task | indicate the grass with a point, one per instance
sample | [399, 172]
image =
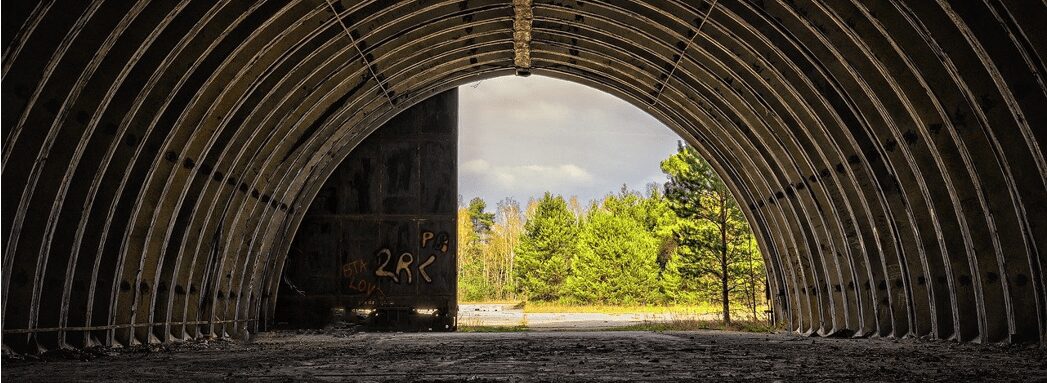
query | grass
[506, 301]
[698, 324]
[672, 325]
[557, 307]
[674, 309]
[478, 325]
[680, 317]
[483, 328]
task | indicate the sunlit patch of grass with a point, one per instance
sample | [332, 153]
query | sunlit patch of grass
[491, 302]
[677, 317]
[559, 307]
[478, 325]
[514, 328]
[697, 324]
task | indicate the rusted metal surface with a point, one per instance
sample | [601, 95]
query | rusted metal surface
[377, 247]
[158, 155]
[523, 17]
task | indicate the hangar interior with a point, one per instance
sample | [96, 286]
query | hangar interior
[159, 156]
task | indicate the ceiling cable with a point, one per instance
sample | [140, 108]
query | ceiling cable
[683, 53]
[361, 52]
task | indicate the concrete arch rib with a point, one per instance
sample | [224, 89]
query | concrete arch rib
[887, 153]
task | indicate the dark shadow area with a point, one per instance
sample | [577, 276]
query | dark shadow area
[376, 249]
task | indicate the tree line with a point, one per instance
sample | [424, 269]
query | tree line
[684, 242]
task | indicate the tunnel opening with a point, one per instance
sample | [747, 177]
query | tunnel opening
[565, 222]
[389, 243]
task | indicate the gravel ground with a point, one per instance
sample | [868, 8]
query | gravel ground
[540, 356]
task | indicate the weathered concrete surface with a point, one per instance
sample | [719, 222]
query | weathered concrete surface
[547, 356]
[159, 156]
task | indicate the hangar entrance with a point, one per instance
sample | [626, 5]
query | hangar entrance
[398, 240]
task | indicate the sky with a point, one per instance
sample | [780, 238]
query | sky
[521, 136]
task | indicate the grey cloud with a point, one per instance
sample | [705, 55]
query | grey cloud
[522, 136]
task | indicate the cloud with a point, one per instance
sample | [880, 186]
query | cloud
[475, 166]
[529, 177]
[520, 137]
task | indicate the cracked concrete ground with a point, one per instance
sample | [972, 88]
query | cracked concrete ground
[540, 356]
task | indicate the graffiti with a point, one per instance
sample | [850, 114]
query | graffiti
[426, 237]
[437, 243]
[443, 240]
[442, 243]
[382, 272]
[351, 271]
[365, 287]
[421, 268]
[402, 265]
[354, 267]
[400, 271]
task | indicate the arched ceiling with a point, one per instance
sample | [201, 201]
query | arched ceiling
[158, 155]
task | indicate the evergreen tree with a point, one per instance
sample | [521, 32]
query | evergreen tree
[617, 262]
[481, 220]
[690, 244]
[670, 282]
[545, 252]
[712, 229]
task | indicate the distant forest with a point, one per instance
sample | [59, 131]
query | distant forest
[684, 242]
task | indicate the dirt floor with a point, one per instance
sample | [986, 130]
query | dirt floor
[540, 356]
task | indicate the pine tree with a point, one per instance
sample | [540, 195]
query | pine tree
[711, 230]
[617, 262]
[546, 249]
[481, 220]
[670, 282]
